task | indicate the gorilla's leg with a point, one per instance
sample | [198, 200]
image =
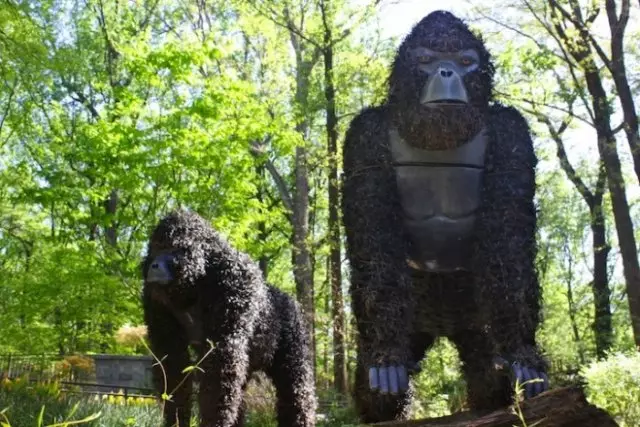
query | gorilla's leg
[506, 281]
[487, 387]
[295, 399]
[292, 368]
[169, 343]
[374, 405]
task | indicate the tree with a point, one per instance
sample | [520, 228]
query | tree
[580, 79]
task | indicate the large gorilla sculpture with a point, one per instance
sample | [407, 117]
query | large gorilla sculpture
[197, 287]
[440, 221]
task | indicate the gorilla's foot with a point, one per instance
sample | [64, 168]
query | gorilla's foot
[389, 379]
[534, 381]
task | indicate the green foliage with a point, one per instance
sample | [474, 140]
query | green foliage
[614, 385]
[440, 389]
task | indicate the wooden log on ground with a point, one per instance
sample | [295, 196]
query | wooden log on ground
[562, 407]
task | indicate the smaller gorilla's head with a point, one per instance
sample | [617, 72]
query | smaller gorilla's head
[177, 256]
[440, 84]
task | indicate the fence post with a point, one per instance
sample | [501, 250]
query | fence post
[9, 366]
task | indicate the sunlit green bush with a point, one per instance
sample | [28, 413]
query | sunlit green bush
[439, 388]
[614, 385]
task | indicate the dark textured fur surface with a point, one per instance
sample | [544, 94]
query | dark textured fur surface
[253, 326]
[492, 310]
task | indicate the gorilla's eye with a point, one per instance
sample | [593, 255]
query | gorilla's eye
[425, 58]
[467, 60]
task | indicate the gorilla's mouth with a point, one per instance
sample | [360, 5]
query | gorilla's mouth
[446, 101]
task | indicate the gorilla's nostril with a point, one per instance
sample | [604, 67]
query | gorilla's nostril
[155, 265]
[446, 73]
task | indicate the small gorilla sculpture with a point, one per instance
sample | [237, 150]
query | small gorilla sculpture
[440, 223]
[198, 288]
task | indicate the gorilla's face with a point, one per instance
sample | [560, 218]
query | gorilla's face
[441, 83]
[177, 257]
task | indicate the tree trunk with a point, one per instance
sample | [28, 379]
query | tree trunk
[580, 51]
[602, 326]
[337, 306]
[617, 26]
[563, 407]
[263, 262]
[571, 303]
[301, 253]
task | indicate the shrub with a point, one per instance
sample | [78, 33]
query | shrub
[614, 385]
[75, 367]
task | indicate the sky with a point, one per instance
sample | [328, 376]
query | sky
[399, 16]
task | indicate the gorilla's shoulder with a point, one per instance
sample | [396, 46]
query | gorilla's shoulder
[506, 115]
[370, 115]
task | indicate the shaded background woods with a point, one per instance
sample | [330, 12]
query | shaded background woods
[113, 113]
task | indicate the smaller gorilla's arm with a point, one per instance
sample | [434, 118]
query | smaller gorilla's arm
[169, 343]
[505, 256]
[376, 248]
[229, 316]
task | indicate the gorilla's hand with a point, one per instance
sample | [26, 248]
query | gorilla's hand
[534, 381]
[392, 379]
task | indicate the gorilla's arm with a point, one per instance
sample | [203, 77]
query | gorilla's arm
[376, 249]
[229, 314]
[169, 343]
[508, 286]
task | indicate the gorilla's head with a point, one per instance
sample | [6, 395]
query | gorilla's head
[177, 256]
[440, 84]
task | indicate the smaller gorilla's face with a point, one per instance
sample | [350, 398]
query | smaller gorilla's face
[166, 274]
[440, 84]
[161, 269]
[177, 258]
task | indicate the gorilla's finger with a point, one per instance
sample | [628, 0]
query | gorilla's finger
[528, 384]
[539, 384]
[403, 378]
[518, 373]
[393, 379]
[373, 378]
[384, 380]
[545, 384]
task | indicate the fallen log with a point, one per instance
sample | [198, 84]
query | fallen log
[562, 407]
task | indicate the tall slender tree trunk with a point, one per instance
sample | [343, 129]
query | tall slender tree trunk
[617, 26]
[579, 48]
[569, 276]
[302, 269]
[263, 262]
[337, 307]
[602, 327]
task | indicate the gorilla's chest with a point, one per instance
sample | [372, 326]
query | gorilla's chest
[440, 194]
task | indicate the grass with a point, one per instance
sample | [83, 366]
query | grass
[43, 405]
[24, 404]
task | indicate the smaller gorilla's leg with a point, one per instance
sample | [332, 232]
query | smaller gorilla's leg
[295, 403]
[169, 344]
[292, 369]
[487, 387]
[222, 382]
